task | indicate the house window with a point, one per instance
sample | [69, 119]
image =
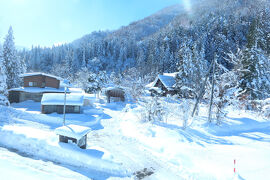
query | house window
[76, 109]
[33, 84]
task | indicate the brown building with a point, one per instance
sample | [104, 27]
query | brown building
[41, 80]
[35, 85]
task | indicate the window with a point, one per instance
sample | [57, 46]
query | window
[33, 84]
[76, 109]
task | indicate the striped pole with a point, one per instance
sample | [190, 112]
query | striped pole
[234, 162]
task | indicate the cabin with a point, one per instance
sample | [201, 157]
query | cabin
[163, 85]
[34, 86]
[116, 93]
[73, 134]
[54, 102]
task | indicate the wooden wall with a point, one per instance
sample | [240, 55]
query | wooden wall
[47, 109]
[41, 81]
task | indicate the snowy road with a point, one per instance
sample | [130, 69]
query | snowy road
[14, 165]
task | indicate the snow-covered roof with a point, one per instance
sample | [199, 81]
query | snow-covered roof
[65, 83]
[39, 90]
[74, 131]
[76, 90]
[167, 79]
[72, 99]
[40, 73]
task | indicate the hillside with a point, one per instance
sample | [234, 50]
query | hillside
[170, 40]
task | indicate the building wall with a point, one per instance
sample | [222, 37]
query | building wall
[24, 96]
[160, 85]
[52, 82]
[47, 109]
[37, 79]
[41, 81]
[14, 96]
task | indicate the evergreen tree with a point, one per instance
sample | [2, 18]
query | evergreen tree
[3, 83]
[11, 61]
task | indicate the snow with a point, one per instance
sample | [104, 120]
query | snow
[74, 131]
[120, 144]
[167, 79]
[39, 90]
[73, 99]
[76, 90]
[40, 73]
[14, 166]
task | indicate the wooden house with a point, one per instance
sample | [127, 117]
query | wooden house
[34, 86]
[54, 102]
[163, 85]
[41, 80]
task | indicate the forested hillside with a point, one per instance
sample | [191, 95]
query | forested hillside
[234, 33]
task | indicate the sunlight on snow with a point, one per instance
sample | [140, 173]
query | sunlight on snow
[187, 5]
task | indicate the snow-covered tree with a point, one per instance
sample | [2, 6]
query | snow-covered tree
[13, 64]
[3, 83]
[152, 109]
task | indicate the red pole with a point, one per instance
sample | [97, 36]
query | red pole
[234, 162]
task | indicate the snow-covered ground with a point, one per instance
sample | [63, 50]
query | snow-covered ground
[120, 145]
[19, 166]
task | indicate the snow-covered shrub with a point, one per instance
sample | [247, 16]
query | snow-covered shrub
[133, 83]
[152, 109]
[89, 81]
[266, 107]
[266, 110]
[185, 106]
[3, 100]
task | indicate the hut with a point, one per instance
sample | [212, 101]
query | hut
[163, 85]
[73, 133]
[115, 92]
[54, 102]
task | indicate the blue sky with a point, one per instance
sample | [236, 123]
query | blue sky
[48, 22]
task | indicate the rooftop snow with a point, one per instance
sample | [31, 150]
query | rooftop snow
[73, 99]
[76, 90]
[74, 131]
[39, 90]
[167, 79]
[40, 73]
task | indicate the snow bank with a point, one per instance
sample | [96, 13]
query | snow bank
[45, 145]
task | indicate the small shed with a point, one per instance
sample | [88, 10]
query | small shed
[74, 134]
[54, 102]
[164, 84]
[115, 92]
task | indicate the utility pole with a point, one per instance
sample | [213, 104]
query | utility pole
[202, 89]
[212, 92]
[64, 111]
